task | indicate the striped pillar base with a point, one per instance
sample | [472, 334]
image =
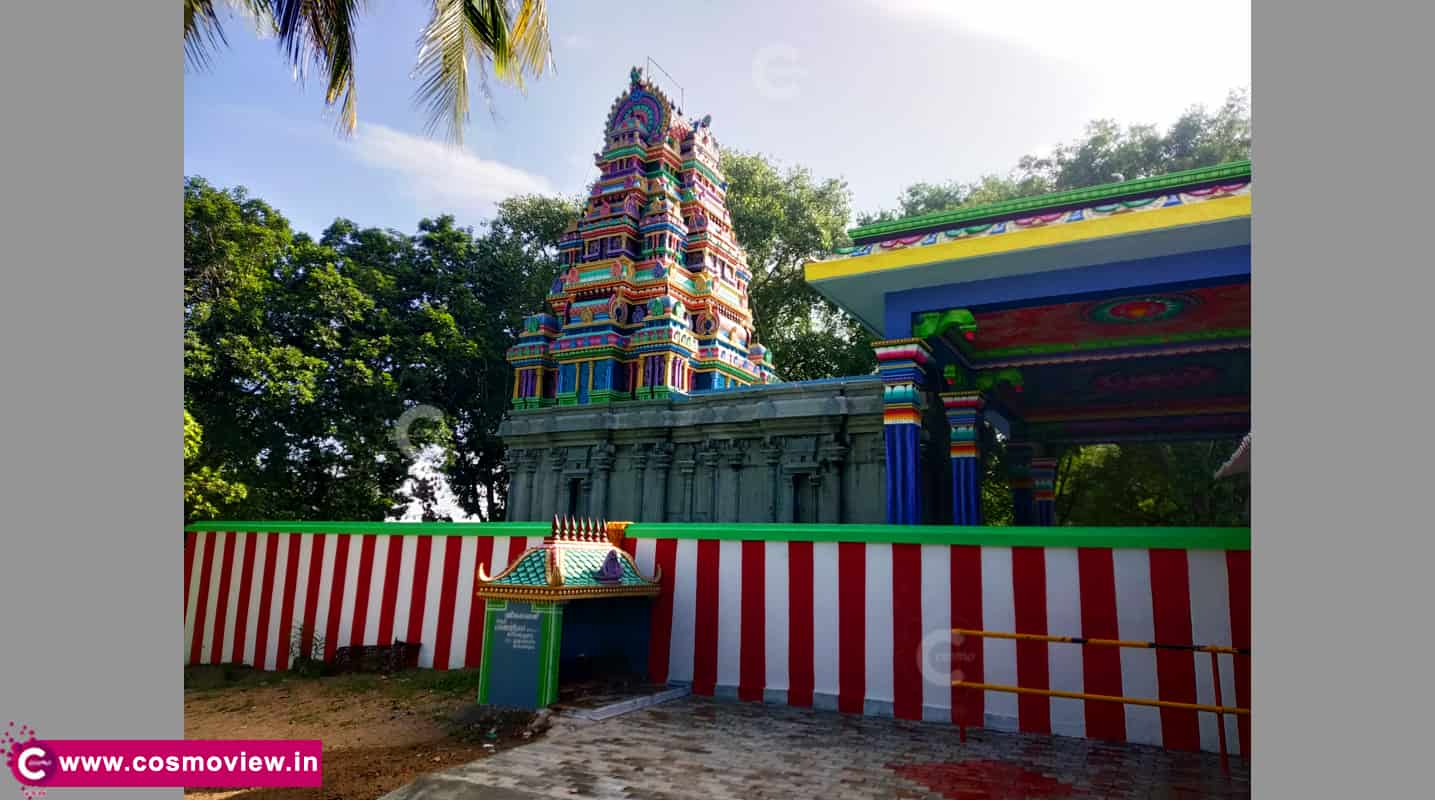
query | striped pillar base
[1043, 478]
[903, 364]
[964, 418]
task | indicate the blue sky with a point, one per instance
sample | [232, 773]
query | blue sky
[882, 93]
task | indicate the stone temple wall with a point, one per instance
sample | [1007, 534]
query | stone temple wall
[794, 452]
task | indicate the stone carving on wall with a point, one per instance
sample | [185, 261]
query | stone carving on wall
[832, 450]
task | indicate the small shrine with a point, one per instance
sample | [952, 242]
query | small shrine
[653, 297]
[527, 638]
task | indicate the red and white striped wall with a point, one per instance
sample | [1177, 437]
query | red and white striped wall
[842, 625]
[824, 624]
[247, 593]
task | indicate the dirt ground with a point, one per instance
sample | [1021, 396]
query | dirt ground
[379, 731]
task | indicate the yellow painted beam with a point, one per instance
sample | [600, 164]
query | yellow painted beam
[1045, 236]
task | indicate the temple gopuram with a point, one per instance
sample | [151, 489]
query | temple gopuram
[642, 393]
[653, 297]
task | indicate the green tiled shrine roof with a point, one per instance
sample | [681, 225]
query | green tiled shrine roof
[567, 565]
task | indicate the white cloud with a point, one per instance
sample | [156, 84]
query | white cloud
[1138, 53]
[1107, 33]
[438, 176]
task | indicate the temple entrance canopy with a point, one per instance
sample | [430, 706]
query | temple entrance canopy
[1108, 314]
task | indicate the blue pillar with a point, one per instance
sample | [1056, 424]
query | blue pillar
[964, 419]
[902, 363]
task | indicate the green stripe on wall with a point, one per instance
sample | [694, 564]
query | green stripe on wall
[1180, 538]
[389, 528]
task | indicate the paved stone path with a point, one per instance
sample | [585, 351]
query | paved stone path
[723, 750]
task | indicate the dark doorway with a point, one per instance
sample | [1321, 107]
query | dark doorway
[575, 494]
[604, 648]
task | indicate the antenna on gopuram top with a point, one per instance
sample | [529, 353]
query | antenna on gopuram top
[682, 93]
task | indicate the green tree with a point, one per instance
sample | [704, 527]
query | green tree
[455, 300]
[285, 364]
[307, 359]
[996, 491]
[207, 491]
[781, 218]
[509, 38]
[1150, 484]
[1106, 152]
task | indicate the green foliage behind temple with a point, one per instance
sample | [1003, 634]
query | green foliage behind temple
[302, 355]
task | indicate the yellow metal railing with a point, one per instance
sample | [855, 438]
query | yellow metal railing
[1218, 708]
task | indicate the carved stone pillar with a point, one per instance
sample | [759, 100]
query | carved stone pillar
[729, 491]
[517, 479]
[530, 486]
[642, 460]
[832, 457]
[709, 457]
[815, 483]
[772, 455]
[686, 468]
[585, 496]
[602, 464]
[663, 463]
[559, 456]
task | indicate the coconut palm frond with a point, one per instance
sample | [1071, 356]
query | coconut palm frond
[443, 67]
[321, 33]
[528, 40]
[202, 32]
[508, 36]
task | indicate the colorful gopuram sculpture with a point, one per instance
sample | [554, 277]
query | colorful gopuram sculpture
[653, 298]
